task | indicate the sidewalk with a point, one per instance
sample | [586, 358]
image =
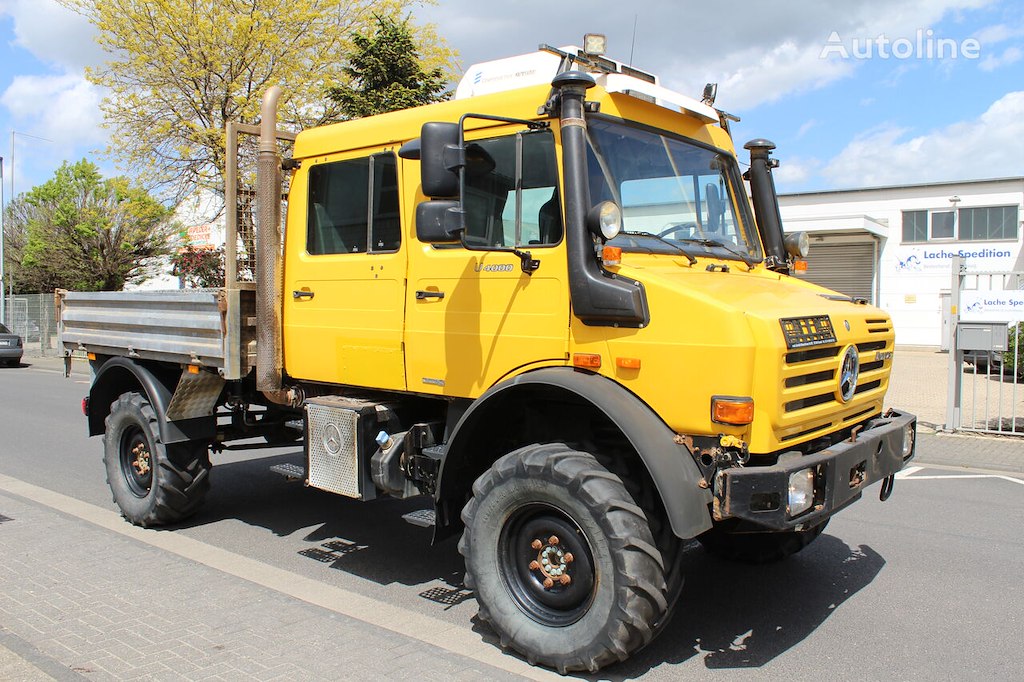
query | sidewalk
[81, 601]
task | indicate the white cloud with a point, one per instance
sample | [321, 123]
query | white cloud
[993, 35]
[795, 172]
[63, 109]
[54, 34]
[988, 146]
[771, 51]
[1009, 56]
[806, 127]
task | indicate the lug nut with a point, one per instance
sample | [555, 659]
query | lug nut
[565, 579]
[553, 540]
[568, 557]
[536, 544]
[548, 583]
[534, 566]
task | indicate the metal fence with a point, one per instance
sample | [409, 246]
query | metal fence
[986, 362]
[33, 317]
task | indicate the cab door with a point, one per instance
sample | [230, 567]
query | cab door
[344, 285]
[474, 316]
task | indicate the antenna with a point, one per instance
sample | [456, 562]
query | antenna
[632, 43]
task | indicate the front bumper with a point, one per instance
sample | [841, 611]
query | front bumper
[842, 471]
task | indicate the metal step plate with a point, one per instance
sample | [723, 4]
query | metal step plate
[292, 471]
[424, 518]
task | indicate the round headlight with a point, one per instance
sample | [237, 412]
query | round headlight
[797, 244]
[605, 220]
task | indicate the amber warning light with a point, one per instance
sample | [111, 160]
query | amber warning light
[729, 410]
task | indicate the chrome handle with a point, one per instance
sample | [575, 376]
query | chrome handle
[302, 294]
[420, 295]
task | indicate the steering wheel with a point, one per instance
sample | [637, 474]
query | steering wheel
[679, 227]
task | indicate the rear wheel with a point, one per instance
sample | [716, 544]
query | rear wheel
[152, 483]
[758, 548]
[562, 559]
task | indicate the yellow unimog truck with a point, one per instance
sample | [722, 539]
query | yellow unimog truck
[549, 309]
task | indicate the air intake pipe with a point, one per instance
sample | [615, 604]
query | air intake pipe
[766, 204]
[269, 362]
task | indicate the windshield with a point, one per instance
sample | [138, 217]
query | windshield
[674, 195]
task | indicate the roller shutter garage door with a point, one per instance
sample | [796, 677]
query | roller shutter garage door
[847, 268]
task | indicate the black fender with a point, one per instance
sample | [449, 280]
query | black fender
[120, 375]
[670, 465]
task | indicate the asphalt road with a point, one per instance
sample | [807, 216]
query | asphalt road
[926, 586]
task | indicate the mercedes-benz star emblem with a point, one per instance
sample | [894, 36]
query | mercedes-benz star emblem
[332, 439]
[849, 371]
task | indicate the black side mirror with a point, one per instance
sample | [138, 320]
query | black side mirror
[440, 221]
[441, 157]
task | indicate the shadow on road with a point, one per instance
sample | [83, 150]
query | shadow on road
[367, 539]
[737, 616]
[731, 615]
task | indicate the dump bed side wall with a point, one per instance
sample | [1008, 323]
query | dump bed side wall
[210, 327]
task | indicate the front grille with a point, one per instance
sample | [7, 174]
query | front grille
[808, 355]
[808, 386]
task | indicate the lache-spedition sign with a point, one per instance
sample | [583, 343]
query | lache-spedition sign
[917, 259]
[992, 306]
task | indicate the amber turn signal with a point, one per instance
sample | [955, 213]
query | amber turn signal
[588, 360]
[611, 255]
[731, 410]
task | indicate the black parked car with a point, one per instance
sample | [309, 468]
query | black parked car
[10, 347]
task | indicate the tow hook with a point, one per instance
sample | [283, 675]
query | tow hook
[887, 485]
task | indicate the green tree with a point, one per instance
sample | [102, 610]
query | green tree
[385, 73]
[180, 69]
[83, 232]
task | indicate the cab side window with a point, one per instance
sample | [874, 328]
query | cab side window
[353, 206]
[511, 196]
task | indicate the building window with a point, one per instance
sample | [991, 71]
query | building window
[915, 226]
[990, 223]
[998, 222]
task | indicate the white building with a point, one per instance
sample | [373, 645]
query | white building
[894, 245]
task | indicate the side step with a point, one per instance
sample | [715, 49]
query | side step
[293, 472]
[424, 518]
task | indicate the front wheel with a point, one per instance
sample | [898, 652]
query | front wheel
[562, 559]
[758, 548]
[153, 484]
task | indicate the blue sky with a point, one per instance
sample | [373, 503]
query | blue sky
[839, 122]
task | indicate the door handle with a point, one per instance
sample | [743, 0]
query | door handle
[302, 294]
[420, 294]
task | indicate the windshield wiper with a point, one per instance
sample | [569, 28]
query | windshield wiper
[689, 256]
[703, 241]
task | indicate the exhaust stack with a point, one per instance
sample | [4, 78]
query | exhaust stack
[269, 357]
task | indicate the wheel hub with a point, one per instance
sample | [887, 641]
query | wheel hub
[547, 565]
[141, 459]
[552, 562]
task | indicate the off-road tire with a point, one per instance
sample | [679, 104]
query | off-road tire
[619, 575]
[152, 483]
[758, 548]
